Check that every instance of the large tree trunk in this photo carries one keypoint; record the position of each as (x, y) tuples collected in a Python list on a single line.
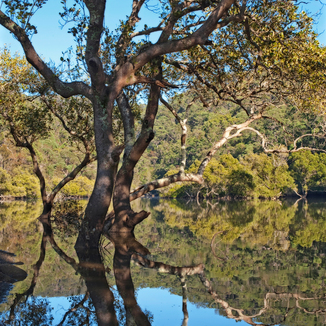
[(107, 162)]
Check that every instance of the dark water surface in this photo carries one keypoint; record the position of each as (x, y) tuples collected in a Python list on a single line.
[(228, 263)]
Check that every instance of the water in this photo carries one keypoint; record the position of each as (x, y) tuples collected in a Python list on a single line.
[(264, 264)]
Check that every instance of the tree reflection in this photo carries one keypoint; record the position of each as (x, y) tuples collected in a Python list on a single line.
[(31, 312), (242, 282), (80, 313), (181, 272), (93, 271), (239, 314)]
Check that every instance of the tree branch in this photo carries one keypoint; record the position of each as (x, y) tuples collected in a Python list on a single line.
[(225, 137), (128, 122), (125, 37), (239, 312), (199, 37), (71, 176), (74, 308), (183, 136), (168, 269), (164, 182), (62, 88), (295, 149), (28, 145)]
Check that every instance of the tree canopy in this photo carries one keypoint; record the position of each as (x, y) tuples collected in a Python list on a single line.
[(27, 111)]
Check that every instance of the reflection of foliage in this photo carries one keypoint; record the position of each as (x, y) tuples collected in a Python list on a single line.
[(21, 234), (257, 222), (270, 247), (36, 311), (81, 312), (253, 264), (309, 224), (66, 217), (19, 225)]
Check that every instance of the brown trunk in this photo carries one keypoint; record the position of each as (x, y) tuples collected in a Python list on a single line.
[(107, 162), (125, 219), (46, 213)]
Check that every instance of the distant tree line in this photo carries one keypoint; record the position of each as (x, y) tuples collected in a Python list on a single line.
[(241, 167)]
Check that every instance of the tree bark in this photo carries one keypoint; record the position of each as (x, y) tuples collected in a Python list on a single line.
[(125, 219), (107, 162)]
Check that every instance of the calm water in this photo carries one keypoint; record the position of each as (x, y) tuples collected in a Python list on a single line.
[(264, 263)]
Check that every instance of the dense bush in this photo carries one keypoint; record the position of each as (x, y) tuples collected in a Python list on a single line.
[(23, 184), (81, 186), (254, 175)]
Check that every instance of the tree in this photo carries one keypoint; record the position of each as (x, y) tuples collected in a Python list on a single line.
[(308, 169), (117, 63), (27, 108)]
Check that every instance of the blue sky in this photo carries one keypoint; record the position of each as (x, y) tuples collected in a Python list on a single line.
[(51, 39)]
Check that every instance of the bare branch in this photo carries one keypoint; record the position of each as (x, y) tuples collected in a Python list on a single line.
[(283, 150), (168, 269), (225, 137), (164, 182), (183, 136), (239, 313)]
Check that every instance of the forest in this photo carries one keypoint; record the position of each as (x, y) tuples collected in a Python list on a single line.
[(240, 169)]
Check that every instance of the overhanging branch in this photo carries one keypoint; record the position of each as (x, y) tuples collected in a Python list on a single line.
[(62, 88)]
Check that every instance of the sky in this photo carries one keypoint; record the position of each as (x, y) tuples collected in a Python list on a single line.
[(52, 38)]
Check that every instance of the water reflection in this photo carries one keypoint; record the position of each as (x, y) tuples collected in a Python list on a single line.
[(261, 263)]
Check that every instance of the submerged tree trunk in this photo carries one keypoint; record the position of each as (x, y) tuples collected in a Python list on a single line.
[(107, 162)]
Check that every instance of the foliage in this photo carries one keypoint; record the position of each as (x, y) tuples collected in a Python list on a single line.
[(308, 170), (20, 112), (254, 175), (27, 181), (27, 110), (271, 175), (240, 183), (81, 186)]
